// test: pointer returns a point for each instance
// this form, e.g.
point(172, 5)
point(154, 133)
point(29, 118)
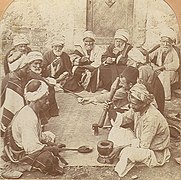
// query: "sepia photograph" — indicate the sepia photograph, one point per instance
point(90, 89)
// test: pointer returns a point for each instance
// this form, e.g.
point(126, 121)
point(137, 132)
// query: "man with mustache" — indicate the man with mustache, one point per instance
point(86, 60)
point(12, 86)
point(166, 61)
point(149, 141)
point(147, 76)
point(120, 99)
point(17, 53)
point(114, 59)
point(25, 144)
point(56, 63)
point(35, 61)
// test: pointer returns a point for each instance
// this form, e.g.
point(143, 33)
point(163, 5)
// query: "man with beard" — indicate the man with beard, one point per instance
point(35, 60)
point(127, 79)
point(12, 95)
point(16, 54)
point(166, 61)
point(56, 63)
point(149, 142)
point(114, 59)
point(86, 61)
point(24, 144)
point(147, 76)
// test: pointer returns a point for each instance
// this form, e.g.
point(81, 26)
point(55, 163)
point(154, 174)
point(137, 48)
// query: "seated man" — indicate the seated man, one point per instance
point(147, 76)
point(56, 63)
point(35, 60)
point(86, 60)
point(114, 59)
point(16, 54)
point(12, 90)
point(12, 94)
point(166, 61)
point(119, 101)
point(23, 138)
point(149, 143)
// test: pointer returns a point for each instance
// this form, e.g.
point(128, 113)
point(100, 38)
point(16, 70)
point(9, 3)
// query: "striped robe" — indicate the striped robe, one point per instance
point(12, 99)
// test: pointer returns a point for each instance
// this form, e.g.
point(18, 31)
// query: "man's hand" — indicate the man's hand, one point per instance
point(115, 153)
point(84, 59)
point(158, 69)
point(109, 60)
point(107, 105)
point(56, 61)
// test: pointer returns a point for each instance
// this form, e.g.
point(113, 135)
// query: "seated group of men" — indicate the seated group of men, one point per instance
point(28, 97)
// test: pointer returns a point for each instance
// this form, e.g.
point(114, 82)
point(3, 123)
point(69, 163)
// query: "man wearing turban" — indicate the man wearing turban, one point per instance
point(149, 141)
point(24, 142)
point(114, 59)
point(17, 54)
point(166, 61)
point(56, 62)
point(12, 97)
point(147, 76)
point(86, 60)
point(35, 63)
point(119, 102)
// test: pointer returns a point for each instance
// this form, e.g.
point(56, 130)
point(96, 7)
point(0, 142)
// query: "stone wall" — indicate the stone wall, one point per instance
point(150, 18)
point(41, 20)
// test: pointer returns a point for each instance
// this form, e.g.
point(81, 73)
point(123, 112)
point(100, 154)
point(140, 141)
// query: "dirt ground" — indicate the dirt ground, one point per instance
point(170, 170)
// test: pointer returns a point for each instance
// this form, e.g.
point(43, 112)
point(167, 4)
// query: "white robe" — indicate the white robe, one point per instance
point(26, 130)
point(150, 132)
point(171, 64)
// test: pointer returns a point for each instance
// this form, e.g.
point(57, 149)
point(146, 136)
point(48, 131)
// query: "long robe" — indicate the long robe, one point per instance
point(22, 143)
point(88, 79)
point(149, 142)
point(171, 64)
point(153, 85)
point(109, 72)
point(12, 99)
point(64, 65)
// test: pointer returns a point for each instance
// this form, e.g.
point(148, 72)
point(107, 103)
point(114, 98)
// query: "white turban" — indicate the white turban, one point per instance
point(136, 55)
point(39, 93)
point(122, 34)
point(32, 56)
point(168, 32)
point(140, 92)
point(20, 39)
point(58, 41)
point(89, 34)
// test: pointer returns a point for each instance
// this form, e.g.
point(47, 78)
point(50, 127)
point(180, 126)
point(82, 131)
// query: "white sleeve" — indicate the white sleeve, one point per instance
point(174, 65)
point(97, 54)
point(30, 135)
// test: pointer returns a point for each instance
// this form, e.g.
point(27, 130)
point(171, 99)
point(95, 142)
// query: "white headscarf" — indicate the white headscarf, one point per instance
point(20, 39)
point(89, 34)
point(32, 56)
point(122, 34)
point(140, 92)
point(168, 32)
point(39, 93)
